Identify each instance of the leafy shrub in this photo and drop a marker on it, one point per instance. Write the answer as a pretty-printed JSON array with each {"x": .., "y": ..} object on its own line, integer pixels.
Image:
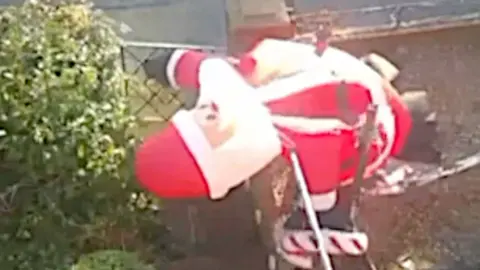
[
  {"x": 111, "y": 260},
  {"x": 64, "y": 146}
]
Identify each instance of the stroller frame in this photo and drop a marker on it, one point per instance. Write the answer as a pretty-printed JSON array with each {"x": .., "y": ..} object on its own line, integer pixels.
[{"x": 322, "y": 260}]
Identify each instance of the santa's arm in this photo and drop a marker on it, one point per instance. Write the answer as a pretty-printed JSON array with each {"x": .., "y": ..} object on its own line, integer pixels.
[
  {"x": 180, "y": 68},
  {"x": 206, "y": 151},
  {"x": 176, "y": 68}
]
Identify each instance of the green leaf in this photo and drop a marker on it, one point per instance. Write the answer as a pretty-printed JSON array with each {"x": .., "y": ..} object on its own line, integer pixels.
[{"x": 64, "y": 139}]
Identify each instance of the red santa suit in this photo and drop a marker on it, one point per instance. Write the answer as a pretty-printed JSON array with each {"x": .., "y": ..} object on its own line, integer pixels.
[{"x": 305, "y": 105}]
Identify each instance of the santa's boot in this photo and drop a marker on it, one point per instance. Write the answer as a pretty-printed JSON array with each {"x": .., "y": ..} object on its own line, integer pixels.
[
  {"x": 297, "y": 243},
  {"x": 420, "y": 146},
  {"x": 419, "y": 158}
]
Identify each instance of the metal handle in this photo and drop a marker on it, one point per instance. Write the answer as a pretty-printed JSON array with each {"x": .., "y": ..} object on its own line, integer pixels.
[{"x": 312, "y": 217}]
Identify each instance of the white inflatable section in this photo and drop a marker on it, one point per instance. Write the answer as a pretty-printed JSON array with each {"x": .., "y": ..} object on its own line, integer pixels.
[{"x": 255, "y": 142}]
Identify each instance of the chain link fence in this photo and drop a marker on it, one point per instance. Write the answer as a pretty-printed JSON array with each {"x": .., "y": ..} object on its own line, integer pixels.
[{"x": 152, "y": 103}]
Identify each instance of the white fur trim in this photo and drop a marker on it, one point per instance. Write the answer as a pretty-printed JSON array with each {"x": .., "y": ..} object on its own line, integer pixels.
[
  {"x": 386, "y": 68},
  {"x": 171, "y": 66},
  {"x": 332, "y": 66},
  {"x": 233, "y": 60},
  {"x": 322, "y": 202},
  {"x": 192, "y": 135},
  {"x": 216, "y": 74},
  {"x": 311, "y": 126},
  {"x": 336, "y": 66},
  {"x": 255, "y": 142}
]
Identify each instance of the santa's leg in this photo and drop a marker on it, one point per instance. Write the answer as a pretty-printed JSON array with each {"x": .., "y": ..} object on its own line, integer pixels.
[{"x": 423, "y": 135}]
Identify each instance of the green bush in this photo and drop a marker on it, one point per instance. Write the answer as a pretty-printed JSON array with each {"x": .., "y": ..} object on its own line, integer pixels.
[
  {"x": 111, "y": 260},
  {"x": 66, "y": 180}
]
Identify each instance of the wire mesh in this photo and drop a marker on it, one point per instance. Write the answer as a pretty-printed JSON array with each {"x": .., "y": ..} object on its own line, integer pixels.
[{"x": 151, "y": 102}]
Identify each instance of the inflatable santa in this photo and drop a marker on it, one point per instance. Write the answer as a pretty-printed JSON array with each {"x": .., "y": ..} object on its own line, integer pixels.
[
  {"x": 317, "y": 97},
  {"x": 292, "y": 87},
  {"x": 226, "y": 138}
]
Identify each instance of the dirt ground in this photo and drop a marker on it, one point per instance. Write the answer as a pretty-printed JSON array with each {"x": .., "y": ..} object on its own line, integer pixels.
[{"x": 437, "y": 226}]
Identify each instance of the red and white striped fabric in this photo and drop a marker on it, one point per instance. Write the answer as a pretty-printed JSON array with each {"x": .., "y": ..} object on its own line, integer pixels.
[
  {"x": 337, "y": 242},
  {"x": 298, "y": 247}
]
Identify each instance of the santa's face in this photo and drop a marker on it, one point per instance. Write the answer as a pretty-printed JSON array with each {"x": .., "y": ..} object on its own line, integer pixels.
[{"x": 218, "y": 128}]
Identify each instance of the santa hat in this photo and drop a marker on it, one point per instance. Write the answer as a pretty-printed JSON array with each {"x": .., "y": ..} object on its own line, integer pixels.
[{"x": 165, "y": 162}]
